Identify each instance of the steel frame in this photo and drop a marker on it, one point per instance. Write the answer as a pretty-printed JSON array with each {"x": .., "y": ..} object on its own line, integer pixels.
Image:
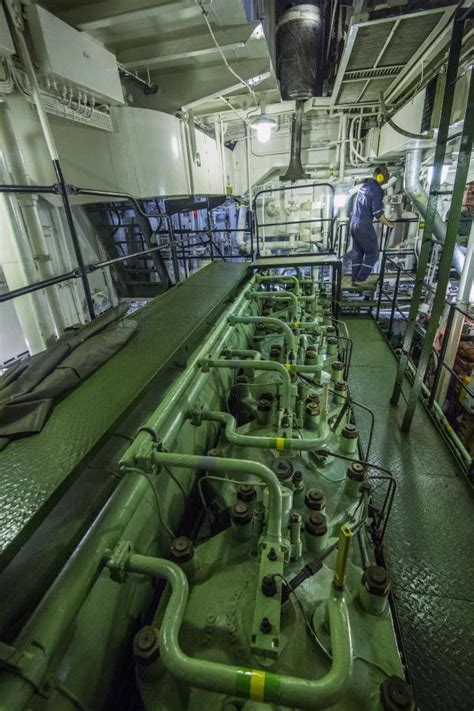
[{"x": 451, "y": 231}]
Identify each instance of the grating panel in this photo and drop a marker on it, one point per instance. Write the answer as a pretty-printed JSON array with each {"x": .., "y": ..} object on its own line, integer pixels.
[
  {"x": 408, "y": 36},
  {"x": 370, "y": 40},
  {"x": 391, "y": 46},
  {"x": 33, "y": 469}
]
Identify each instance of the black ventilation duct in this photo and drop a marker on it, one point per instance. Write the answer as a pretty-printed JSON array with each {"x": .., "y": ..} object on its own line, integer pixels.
[{"x": 298, "y": 44}]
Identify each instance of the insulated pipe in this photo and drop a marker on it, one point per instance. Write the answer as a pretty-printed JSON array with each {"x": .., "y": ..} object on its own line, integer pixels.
[
  {"x": 419, "y": 197},
  {"x": 254, "y": 684},
  {"x": 268, "y": 321},
  {"x": 279, "y": 443},
  {"x": 257, "y": 365},
  {"x": 234, "y": 466}
]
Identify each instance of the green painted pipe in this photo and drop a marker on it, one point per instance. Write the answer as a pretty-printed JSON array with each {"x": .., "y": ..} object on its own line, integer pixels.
[
  {"x": 280, "y": 280},
  {"x": 277, "y": 296},
  {"x": 254, "y": 684},
  {"x": 189, "y": 383},
  {"x": 242, "y": 353},
  {"x": 269, "y": 321},
  {"x": 279, "y": 443},
  {"x": 234, "y": 466},
  {"x": 271, "y": 365}
]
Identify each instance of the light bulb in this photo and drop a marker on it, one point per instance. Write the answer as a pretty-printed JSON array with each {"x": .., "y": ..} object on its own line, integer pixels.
[{"x": 264, "y": 131}]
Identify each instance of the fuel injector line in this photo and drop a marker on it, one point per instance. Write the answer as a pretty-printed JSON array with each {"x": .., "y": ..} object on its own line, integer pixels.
[
  {"x": 272, "y": 322},
  {"x": 277, "y": 296},
  {"x": 233, "y": 466},
  {"x": 254, "y": 684},
  {"x": 188, "y": 382},
  {"x": 271, "y": 365},
  {"x": 280, "y": 280},
  {"x": 279, "y": 443}
]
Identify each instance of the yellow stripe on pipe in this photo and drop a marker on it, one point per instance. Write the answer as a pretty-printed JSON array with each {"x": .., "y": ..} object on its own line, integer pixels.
[
  {"x": 289, "y": 366},
  {"x": 280, "y": 443},
  {"x": 257, "y": 685}
]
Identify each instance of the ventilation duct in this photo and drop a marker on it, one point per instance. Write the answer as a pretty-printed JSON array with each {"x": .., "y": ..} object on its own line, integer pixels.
[
  {"x": 419, "y": 198},
  {"x": 298, "y": 41}
]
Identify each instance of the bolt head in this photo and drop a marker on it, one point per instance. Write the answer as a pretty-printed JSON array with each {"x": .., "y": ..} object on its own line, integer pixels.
[
  {"x": 356, "y": 472},
  {"x": 396, "y": 695},
  {"x": 376, "y": 581},
  {"x": 315, "y": 499},
  {"x": 146, "y": 644},
  {"x": 316, "y": 524},
  {"x": 350, "y": 432},
  {"x": 265, "y": 625},
  {"x": 241, "y": 513},
  {"x": 283, "y": 468},
  {"x": 246, "y": 492},
  {"x": 182, "y": 549}
]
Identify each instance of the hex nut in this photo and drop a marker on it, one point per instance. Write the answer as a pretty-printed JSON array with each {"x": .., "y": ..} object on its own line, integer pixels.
[
  {"x": 375, "y": 580},
  {"x": 146, "y": 645},
  {"x": 396, "y": 695},
  {"x": 246, "y": 492},
  {"x": 316, "y": 524},
  {"x": 241, "y": 513},
  {"x": 269, "y": 587},
  {"x": 356, "y": 472},
  {"x": 182, "y": 549},
  {"x": 350, "y": 432},
  {"x": 283, "y": 468},
  {"x": 315, "y": 500},
  {"x": 337, "y": 365}
]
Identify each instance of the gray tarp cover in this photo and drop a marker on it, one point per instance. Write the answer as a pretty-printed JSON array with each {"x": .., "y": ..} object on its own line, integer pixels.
[{"x": 27, "y": 391}]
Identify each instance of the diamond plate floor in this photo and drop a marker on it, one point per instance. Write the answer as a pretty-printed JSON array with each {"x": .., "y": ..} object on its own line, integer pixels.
[
  {"x": 428, "y": 545},
  {"x": 34, "y": 471}
]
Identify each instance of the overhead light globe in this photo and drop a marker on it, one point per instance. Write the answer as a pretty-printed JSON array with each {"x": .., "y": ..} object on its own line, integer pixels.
[{"x": 264, "y": 126}]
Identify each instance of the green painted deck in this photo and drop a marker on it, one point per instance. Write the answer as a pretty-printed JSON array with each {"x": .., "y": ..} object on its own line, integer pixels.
[
  {"x": 428, "y": 546},
  {"x": 35, "y": 471}
]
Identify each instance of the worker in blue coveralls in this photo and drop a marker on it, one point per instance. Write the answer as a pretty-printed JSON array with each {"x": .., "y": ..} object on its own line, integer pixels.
[{"x": 368, "y": 206}]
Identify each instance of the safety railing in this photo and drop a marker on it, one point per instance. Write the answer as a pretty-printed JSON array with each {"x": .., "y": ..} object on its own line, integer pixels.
[
  {"x": 258, "y": 226},
  {"x": 431, "y": 381},
  {"x": 83, "y": 270}
]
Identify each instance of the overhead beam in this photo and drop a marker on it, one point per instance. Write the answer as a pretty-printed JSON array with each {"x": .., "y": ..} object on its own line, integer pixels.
[{"x": 172, "y": 50}]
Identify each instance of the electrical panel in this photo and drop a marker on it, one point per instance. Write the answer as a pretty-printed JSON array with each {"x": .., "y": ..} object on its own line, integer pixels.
[
  {"x": 73, "y": 57},
  {"x": 7, "y": 48}
]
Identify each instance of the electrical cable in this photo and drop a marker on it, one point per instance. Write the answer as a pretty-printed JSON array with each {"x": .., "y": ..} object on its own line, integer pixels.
[
  {"x": 219, "y": 49},
  {"x": 416, "y": 136},
  {"x": 310, "y": 627}
]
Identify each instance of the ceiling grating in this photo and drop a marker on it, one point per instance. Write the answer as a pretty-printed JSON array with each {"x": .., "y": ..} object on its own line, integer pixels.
[{"x": 379, "y": 53}]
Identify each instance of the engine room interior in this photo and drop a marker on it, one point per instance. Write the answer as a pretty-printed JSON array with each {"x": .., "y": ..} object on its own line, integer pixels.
[{"x": 236, "y": 355}]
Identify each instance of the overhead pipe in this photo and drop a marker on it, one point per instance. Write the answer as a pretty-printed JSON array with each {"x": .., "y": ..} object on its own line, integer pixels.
[{"x": 418, "y": 196}]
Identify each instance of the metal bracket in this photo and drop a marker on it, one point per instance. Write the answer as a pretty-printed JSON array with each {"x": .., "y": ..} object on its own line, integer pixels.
[
  {"x": 265, "y": 638},
  {"x": 118, "y": 559}
]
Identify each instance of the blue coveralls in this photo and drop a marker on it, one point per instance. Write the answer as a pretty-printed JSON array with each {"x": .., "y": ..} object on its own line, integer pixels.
[{"x": 365, "y": 248}]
